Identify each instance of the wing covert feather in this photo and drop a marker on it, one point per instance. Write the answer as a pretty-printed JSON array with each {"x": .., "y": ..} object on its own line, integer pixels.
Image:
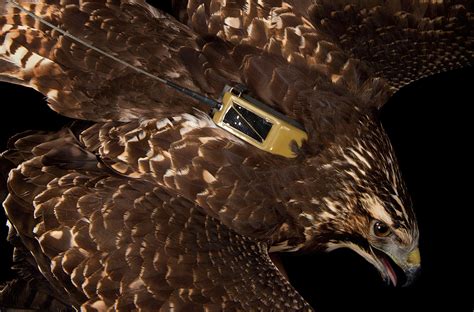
[
  {"x": 348, "y": 41},
  {"x": 82, "y": 83},
  {"x": 112, "y": 242}
]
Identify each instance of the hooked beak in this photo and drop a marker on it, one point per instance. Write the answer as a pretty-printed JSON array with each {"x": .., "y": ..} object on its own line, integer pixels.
[
  {"x": 389, "y": 265},
  {"x": 413, "y": 266}
]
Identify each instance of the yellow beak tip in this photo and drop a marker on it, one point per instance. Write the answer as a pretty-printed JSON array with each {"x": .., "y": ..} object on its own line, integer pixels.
[{"x": 414, "y": 257}]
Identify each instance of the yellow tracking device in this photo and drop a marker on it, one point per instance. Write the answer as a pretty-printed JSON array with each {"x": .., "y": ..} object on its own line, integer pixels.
[{"x": 258, "y": 124}]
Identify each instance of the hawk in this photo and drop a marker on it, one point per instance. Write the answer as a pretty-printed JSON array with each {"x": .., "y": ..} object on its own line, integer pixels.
[{"x": 145, "y": 204}]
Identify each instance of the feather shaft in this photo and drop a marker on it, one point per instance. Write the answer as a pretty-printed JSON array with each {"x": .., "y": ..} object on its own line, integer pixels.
[{"x": 189, "y": 92}]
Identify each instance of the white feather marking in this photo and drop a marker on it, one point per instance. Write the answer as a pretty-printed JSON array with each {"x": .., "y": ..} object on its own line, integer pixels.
[
  {"x": 179, "y": 146},
  {"x": 335, "y": 78},
  {"x": 36, "y": 228},
  {"x": 329, "y": 57},
  {"x": 136, "y": 284},
  {"x": 99, "y": 305},
  {"x": 185, "y": 130},
  {"x": 18, "y": 56},
  {"x": 182, "y": 171},
  {"x": 172, "y": 75},
  {"x": 400, "y": 203},
  {"x": 326, "y": 215},
  {"x": 208, "y": 177},
  {"x": 375, "y": 206},
  {"x": 166, "y": 154},
  {"x": 353, "y": 175},
  {"x": 350, "y": 161},
  {"x": 5, "y": 45},
  {"x": 52, "y": 94},
  {"x": 205, "y": 140},
  {"x": 135, "y": 175},
  {"x": 315, "y": 201},
  {"x": 360, "y": 157},
  {"x": 169, "y": 173},
  {"x": 195, "y": 122},
  {"x": 56, "y": 234},
  {"x": 158, "y": 157},
  {"x": 138, "y": 136},
  {"x": 123, "y": 157},
  {"x": 33, "y": 60},
  {"x": 361, "y": 149},
  {"x": 306, "y": 216},
  {"x": 163, "y": 123},
  {"x": 73, "y": 277},
  {"x": 126, "y": 116},
  {"x": 203, "y": 193},
  {"x": 233, "y": 22},
  {"x": 54, "y": 264},
  {"x": 6, "y": 28},
  {"x": 326, "y": 166},
  {"x": 330, "y": 204},
  {"x": 9, "y": 225}
]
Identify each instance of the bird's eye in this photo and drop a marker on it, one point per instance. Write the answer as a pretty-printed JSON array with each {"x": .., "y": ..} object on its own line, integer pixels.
[{"x": 381, "y": 229}]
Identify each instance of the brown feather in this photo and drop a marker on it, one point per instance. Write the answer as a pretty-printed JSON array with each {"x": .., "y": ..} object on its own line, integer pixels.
[{"x": 105, "y": 254}]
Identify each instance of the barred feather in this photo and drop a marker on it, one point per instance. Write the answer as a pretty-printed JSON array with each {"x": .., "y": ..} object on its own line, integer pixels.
[
  {"x": 106, "y": 255},
  {"x": 152, "y": 205},
  {"x": 401, "y": 41}
]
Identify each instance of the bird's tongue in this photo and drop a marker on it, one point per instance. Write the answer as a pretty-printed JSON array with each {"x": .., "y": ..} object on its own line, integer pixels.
[{"x": 390, "y": 270}]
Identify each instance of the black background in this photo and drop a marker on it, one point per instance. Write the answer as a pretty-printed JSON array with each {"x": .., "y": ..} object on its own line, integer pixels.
[{"x": 430, "y": 125}]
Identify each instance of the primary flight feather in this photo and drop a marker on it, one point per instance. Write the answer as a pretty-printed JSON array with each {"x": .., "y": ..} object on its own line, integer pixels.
[{"x": 151, "y": 206}]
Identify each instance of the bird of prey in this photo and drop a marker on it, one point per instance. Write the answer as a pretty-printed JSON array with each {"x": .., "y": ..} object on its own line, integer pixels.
[{"x": 145, "y": 204}]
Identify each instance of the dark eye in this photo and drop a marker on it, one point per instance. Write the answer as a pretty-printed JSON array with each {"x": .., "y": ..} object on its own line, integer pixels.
[{"x": 381, "y": 229}]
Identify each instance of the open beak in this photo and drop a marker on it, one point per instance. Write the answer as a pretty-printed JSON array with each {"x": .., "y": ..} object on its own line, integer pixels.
[
  {"x": 397, "y": 266},
  {"x": 393, "y": 267}
]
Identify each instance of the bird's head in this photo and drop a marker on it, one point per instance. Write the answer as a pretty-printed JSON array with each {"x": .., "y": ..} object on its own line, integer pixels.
[
  {"x": 359, "y": 201},
  {"x": 381, "y": 237}
]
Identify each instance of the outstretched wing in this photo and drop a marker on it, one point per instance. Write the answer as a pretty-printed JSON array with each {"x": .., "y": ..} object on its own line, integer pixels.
[
  {"x": 402, "y": 40},
  {"x": 398, "y": 40},
  {"x": 107, "y": 241},
  {"x": 284, "y": 66},
  {"x": 82, "y": 83}
]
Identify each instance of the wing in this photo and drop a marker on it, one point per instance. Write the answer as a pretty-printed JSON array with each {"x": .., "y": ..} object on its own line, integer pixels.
[
  {"x": 179, "y": 154},
  {"x": 348, "y": 41},
  {"x": 402, "y": 40},
  {"x": 104, "y": 241},
  {"x": 81, "y": 83}
]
